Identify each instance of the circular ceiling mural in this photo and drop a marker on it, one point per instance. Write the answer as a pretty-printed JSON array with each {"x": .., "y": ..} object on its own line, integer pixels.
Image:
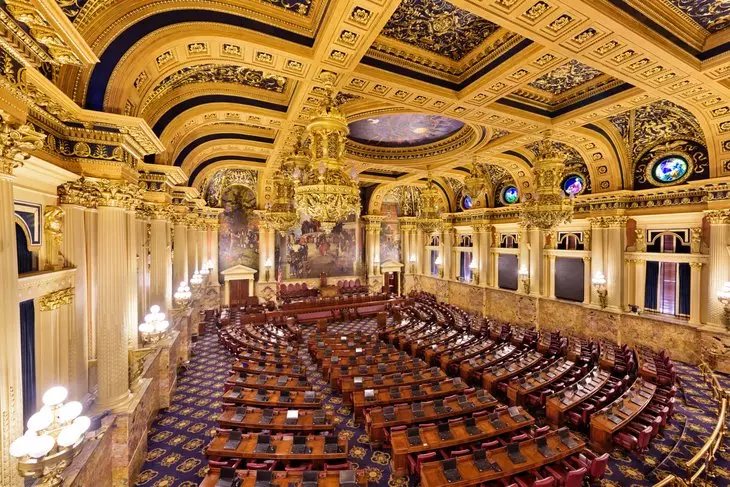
[{"x": 403, "y": 130}]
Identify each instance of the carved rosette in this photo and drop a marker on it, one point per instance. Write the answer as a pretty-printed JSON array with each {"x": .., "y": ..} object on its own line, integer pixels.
[{"x": 16, "y": 142}]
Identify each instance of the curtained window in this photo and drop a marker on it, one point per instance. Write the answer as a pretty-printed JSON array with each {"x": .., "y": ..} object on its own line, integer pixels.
[
  {"x": 27, "y": 360},
  {"x": 651, "y": 291},
  {"x": 668, "y": 284},
  {"x": 464, "y": 262},
  {"x": 434, "y": 267}
]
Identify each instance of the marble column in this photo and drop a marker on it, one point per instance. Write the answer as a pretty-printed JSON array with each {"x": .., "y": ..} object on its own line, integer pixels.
[
  {"x": 180, "y": 251},
  {"x": 586, "y": 280},
  {"x": 551, "y": 276},
  {"x": 132, "y": 252},
  {"x": 15, "y": 143},
  {"x": 202, "y": 244},
  {"x": 160, "y": 260},
  {"x": 719, "y": 264},
  {"x": 615, "y": 243},
  {"x": 475, "y": 264},
  {"x": 213, "y": 231},
  {"x": 263, "y": 249},
  {"x": 537, "y": 276},
  {"x": 113, "y": 312},
  {"x": 485, "y": 243},
  {"x": 192, "y": 245},
  {"x": 640, "y": 283},
  {"x": 74, "y": 252},
  {"x": 523, "y": 257},
  {"x": 141, "y": 252},
  {"x": 598, "y": 230},
  {"x": 420, "y": 251},
  {"x": 53, "y": 345},
  {"x": 695, "y": 298},
  {"x": 447, "y": 251},
  {"x": 271, "y": 253},
  {"x": 91, "y": 221}
]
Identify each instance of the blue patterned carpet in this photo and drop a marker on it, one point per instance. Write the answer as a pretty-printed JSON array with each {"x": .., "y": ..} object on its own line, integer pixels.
[{"x": 180, "y": 433}]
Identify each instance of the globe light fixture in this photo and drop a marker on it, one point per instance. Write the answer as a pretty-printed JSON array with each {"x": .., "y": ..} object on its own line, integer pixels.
[
  {"x": 154, "y": 328},
  {"x": 599, "y": 284},
  {"x": 197, "y": 279},
  {"x": 183, "y": 294},
  {"x": 54, "y": 436},
  {"x": 723, "y": 295},
  {"x": 524, "y": 275}
]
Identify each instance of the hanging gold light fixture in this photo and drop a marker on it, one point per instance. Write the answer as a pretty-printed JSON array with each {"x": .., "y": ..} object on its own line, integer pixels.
[
  {"x": 281, "y": 214},
  {"x": 326, "y": 192},
  {"x": 429, "y": 220},
  {"x": 550, "y": 207},
  {"x": 474, "y": 182}
]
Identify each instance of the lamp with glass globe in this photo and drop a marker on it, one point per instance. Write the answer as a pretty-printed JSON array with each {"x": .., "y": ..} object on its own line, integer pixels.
[
  {"x": 524, "y": 276},
  {"x": 197, "y": 279},
  {"x": 723, "y": 295},
  {"x": 599, "y": 284},
  {"x": 205, "y": 270},
  {"x": 154, "y": 328},
  {"x": 54, "y": 437},
  {"x": 183, "y": 295}
]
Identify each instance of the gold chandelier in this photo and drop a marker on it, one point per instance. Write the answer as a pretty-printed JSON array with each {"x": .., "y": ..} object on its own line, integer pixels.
[
  {"x": 327, "y": 193},
  {"x": 474, "y": 182},
  {"x": 429, "y": 219},
  {"x": 550, "y": 207},
  {"x": 281, "y": 214}
]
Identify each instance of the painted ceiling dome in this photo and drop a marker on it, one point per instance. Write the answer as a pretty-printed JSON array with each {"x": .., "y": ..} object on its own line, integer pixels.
[{"x": 403, "y": 130}]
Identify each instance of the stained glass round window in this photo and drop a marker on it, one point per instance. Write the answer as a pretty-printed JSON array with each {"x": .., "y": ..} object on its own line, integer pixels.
[
  {"x": 466, "y": 202},
  {"x": 670, "y": 169},
  {"x": 510, "y": 195},
  {"x": 573, "y": 185}
]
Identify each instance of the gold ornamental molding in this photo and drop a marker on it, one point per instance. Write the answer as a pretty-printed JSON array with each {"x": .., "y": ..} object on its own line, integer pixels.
[
  {"x": 56, "y": 299},
  {"x": 16, "y": 143}
]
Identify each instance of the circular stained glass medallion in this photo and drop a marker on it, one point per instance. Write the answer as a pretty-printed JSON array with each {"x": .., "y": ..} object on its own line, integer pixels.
[
  {"x": 510, "y": 195},
  {"x": 573, "y": 185},
  {"x": 466, "y": 203},
  {"x": 670, "y": 169}
]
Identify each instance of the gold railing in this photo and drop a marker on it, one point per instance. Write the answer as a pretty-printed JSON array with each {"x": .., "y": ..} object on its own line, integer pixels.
[{"x": 703, "y": 462}]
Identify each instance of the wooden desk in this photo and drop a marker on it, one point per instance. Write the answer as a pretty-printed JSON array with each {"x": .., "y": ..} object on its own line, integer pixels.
[
  {"x": 270, "y": 358},
  {"x": 252, "y": 421},
  {"x": 434, "y": 353},
  {"x": 507, "y": 371},
  {"x": 382, "y": 396},
  {"x": 376, "y": 424},
  {"x": 283, "y": 479},
  {"x": 432, "y": 473},
  {"x": 448, "y": 359},
  {"x": 555, "y": 407},
  {"x": 409, "y": 379},
  {"x": 432, "y": 441},
  {"x": 603, "y": 429},
  {"x": 321, "y": 354},
  {"x": 336, "y": 376},
  {"x": 327, "y": 363},
  {"x": 271, "y": 383},
  {"x": 646, "y": 362},
  {"x": 517, "y": 392},
  {"x": 270, "y": 369},
  {"x": 248, "y": 398},
  {"x": 420, "y": 346},
  {"x": 474, "y": 366},
  {"x": 282, "y": 445}
]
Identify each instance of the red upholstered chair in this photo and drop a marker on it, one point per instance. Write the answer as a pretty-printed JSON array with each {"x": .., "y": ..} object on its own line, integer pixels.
[
  {"x": 224, "y": 463},
  {"x": 414, "y": 464},
  {"x": 565, "y": 475},
  {"x": 579, "y": 418},
  {"x": 269, "y": 465},
  {"x": 541, "y": 431},
  {"x": 460, "y": 452},
  {"x": 300, "y": 468},
  {"x": 534, "y": 479},
  {"x": 595, "y": 464},
  {"x": 633, "y": 440}
]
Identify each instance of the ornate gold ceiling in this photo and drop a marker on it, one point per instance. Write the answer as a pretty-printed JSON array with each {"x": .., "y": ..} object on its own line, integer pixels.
[{"x": 219, "y": 84}]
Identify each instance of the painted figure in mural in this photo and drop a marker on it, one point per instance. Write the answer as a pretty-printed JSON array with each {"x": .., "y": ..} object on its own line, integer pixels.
[
  {"x": 311, "y": 251},
  {"x": 239, "y": 237}
]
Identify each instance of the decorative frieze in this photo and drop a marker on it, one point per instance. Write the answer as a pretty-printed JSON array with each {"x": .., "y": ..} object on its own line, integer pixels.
[{"x": 56, "y": 299}]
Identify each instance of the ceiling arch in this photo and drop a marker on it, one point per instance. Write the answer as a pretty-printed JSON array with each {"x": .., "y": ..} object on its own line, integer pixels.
[{"x": 220, "y": 144}]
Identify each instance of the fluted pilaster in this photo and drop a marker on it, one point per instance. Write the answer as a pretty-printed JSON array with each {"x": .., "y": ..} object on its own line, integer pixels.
[
  {"x": 719, "y": 263},
  {"x": 160, "y": 261},
  {"x": 180, "y": 251}
]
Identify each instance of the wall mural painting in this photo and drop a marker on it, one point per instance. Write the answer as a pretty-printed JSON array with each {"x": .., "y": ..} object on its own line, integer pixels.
[
  {"x": 389, "y": 234},
  {"x": 239, "y": 236},
  {"x": 311, "y": 251}
]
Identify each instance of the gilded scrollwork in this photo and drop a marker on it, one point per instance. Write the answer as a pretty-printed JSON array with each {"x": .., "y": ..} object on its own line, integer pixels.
[
  {"x": 565, "y": 77},
  {"x": 16, "y": 143},
  {"x": 56, "y": 299}
]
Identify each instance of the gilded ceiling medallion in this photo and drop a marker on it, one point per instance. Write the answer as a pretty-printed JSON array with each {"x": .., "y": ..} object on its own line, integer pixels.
[{"x": 439, "y": 27}]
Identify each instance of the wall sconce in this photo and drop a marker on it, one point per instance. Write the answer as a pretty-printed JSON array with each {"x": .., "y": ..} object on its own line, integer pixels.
[
  {"x": 205, "y": 270},
  {"x": 54, "y": 437},
  {"x": 440, "y": 265},
  {"x": 197, "y": 279},
  {"x": 723, "y": 295},
  {"x": 376, "y": 266},
  {"x": 599, "y": 284},
  {"x": 524, "y": 276},
  {"x": 183, "y": 294},
  {"x": 154, "y": 327},
  {"x": 412, "y": 261},
  {"x": 474, "y": 271},
  {"x": 267, "y": 269}
]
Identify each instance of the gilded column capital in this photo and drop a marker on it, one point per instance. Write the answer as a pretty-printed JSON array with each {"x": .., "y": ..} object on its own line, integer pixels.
[
  {"x": 178, "y": 215},
  {"x": 53, "y": 223},
  {"x": 718, "y": 217},
  {"x": 616, "y": 221},
  {"x": 598, "y": 222},
  {"x": 117, "y": 194},
  {"x": 143, "y": 212},
  {"x": 80, "y": 192},
  {"x": 16, "y": 143},
  {"x": 586, "y": 260},
  {"x": 56, "y": 299},
  {"x": 696, "y": 265},
  {"x": 481, "y": 227}
]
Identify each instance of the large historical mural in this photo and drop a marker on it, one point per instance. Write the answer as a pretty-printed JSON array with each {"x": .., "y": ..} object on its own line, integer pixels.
[
  {"x": 239, "y": 236},
  {"x": 311, "y": 251},
  {"x": 389, "y": 234}
]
